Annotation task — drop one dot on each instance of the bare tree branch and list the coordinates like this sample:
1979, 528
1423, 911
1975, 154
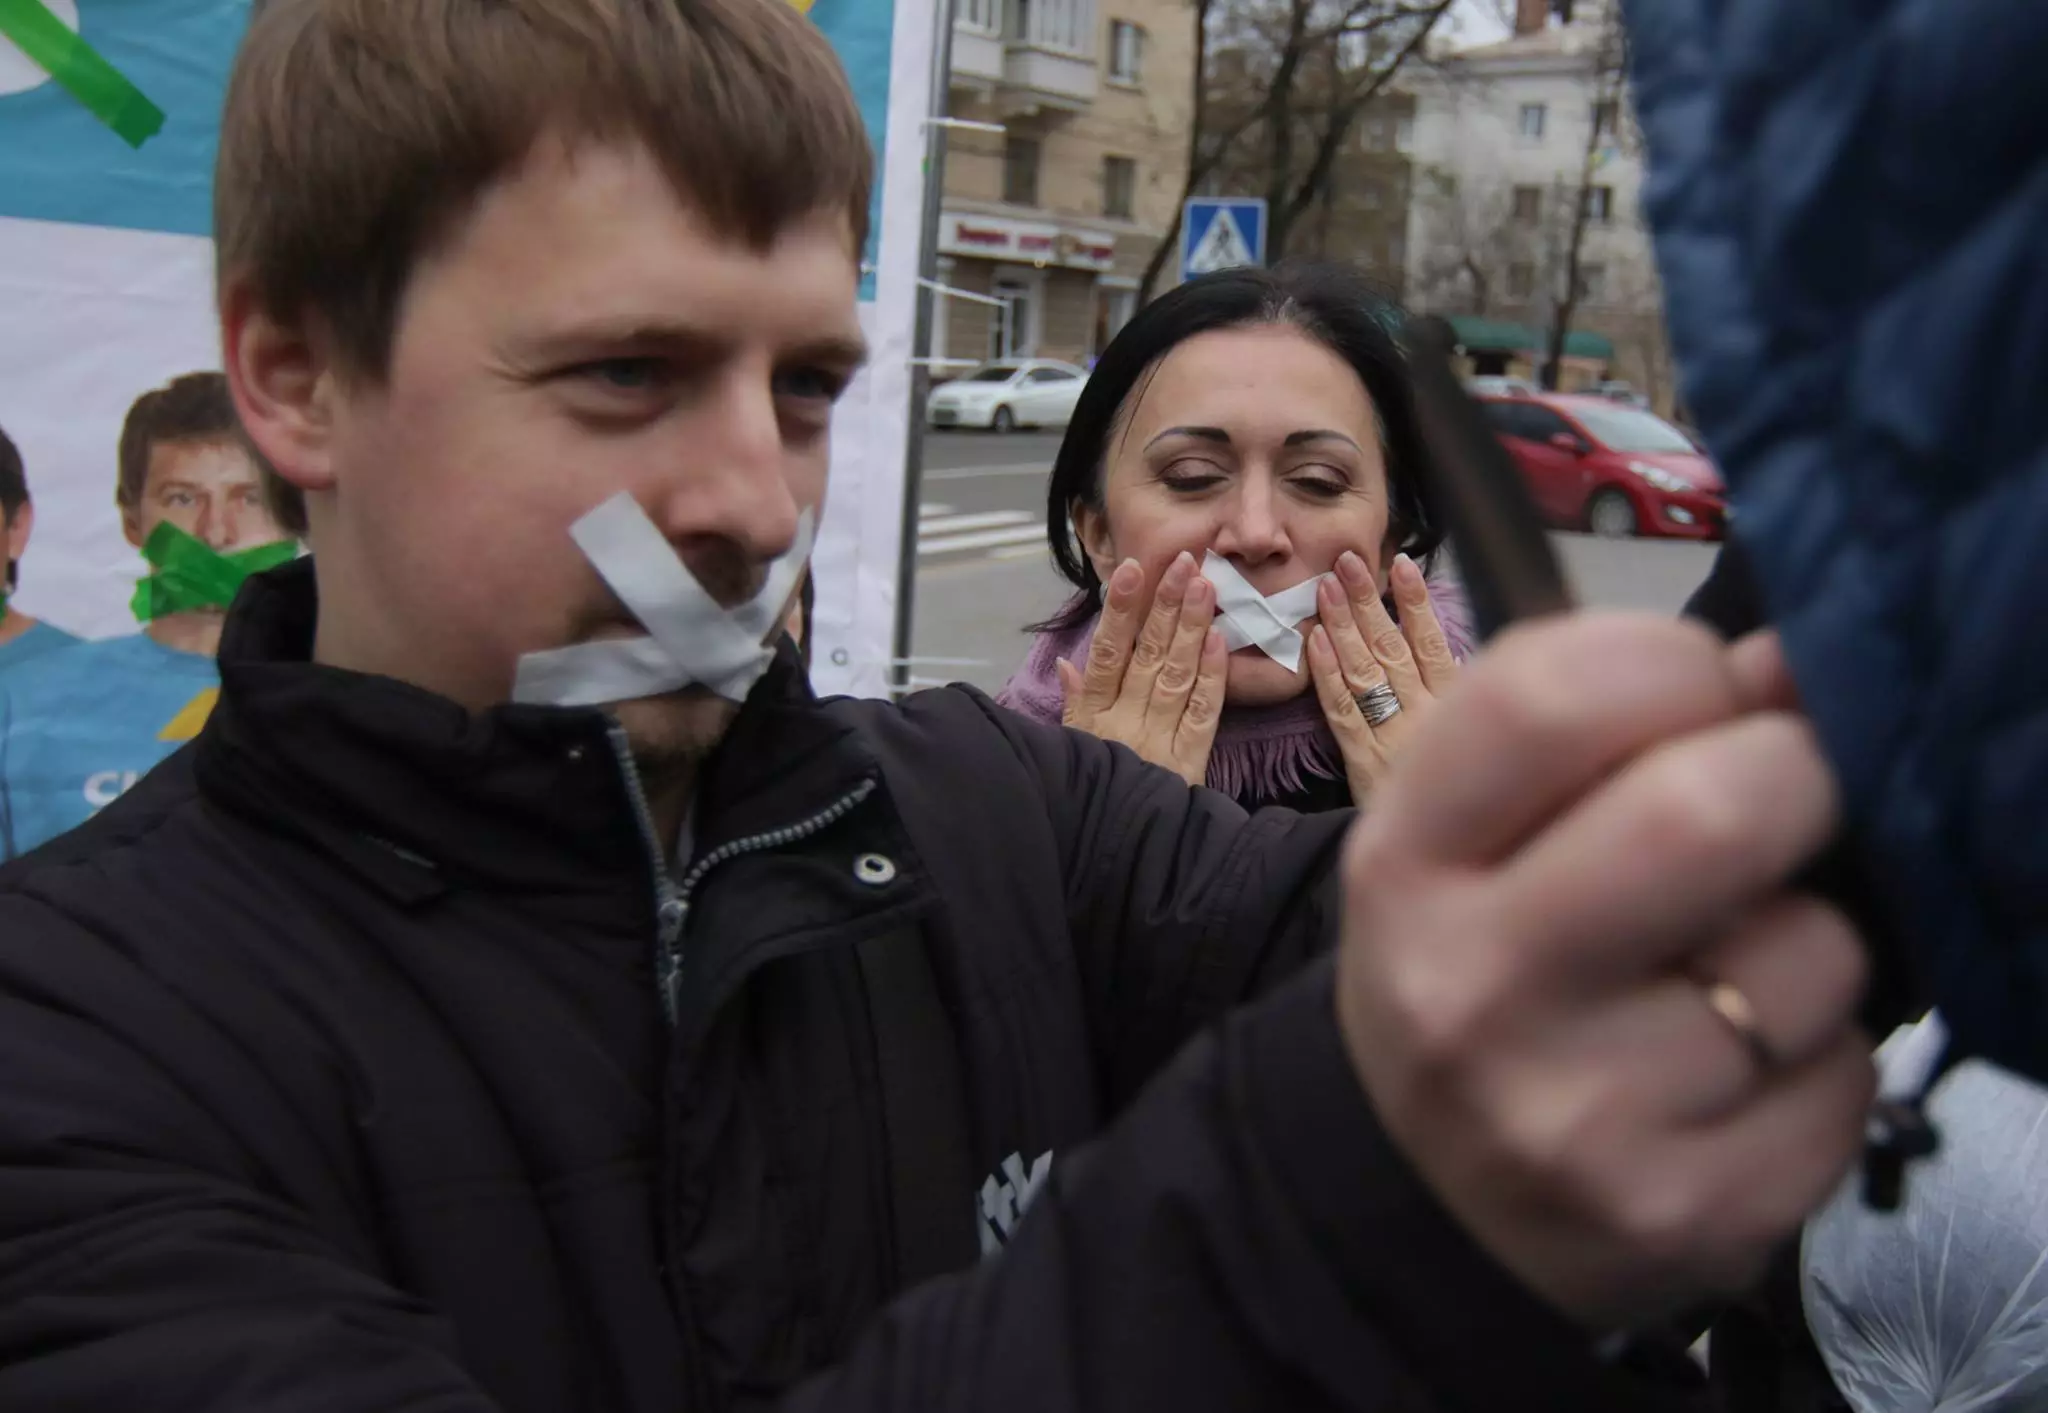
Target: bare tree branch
1607, 86
1339, 119
1282, 86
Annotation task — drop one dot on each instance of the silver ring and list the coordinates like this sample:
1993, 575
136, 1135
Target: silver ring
1378, 704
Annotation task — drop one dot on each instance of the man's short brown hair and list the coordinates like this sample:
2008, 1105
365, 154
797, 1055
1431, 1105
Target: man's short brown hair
358, 133
194, 407
13, 479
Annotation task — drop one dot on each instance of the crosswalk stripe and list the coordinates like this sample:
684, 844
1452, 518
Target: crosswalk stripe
931, 510
981, 539
982, 520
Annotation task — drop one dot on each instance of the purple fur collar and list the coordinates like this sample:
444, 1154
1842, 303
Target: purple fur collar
1261, 753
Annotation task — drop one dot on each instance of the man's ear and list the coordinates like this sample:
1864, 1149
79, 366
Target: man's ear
1091, 528
131, 524
282, 377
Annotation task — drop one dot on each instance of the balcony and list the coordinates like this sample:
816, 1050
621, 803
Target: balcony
1038, 53
978, 44
1052, 51
1049, 78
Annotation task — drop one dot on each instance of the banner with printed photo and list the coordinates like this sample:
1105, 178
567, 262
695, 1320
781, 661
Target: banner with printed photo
109, 118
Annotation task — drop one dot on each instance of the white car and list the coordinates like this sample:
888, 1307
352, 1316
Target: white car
1031, 392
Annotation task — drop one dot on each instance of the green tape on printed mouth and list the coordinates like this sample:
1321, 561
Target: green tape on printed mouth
81, 70
191, 574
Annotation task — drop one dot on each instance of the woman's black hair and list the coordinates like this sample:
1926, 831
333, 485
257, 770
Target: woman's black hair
1333, 305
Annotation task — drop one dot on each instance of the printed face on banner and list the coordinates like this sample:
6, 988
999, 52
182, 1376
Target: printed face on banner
585, 334
15, 539
208, 489
106, 276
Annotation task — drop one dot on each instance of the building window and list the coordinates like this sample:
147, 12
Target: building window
1065, 25
1534, 116
1012, 331
1390, 132
1521, 280
981, 16
1600, 204
1370, 196
1446, 185
1119, 187
1020, 171
1113, 310
1606, 117
1593, 283
1126, 51
1528, 204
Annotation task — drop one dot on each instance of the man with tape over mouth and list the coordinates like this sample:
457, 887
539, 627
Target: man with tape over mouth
532, 998
80, 727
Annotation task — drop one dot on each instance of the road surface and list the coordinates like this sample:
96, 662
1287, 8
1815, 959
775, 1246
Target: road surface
983, 570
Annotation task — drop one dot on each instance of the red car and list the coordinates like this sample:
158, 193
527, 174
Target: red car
1593, 463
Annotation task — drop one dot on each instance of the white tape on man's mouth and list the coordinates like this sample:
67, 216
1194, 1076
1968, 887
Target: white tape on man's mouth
691, 640
1250, 619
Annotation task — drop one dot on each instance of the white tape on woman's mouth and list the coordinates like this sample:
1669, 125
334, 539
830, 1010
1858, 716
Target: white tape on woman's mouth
691, 640
1250, 619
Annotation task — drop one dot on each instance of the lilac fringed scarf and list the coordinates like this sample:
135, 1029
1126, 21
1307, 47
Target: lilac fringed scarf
1261, 752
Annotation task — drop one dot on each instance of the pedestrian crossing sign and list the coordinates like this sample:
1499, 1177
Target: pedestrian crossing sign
1221, 233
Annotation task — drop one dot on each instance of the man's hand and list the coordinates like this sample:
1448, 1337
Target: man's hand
1595, 830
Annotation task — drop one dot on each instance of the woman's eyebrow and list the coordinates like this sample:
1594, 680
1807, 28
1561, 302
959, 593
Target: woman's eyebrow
1322, 434
1207, 434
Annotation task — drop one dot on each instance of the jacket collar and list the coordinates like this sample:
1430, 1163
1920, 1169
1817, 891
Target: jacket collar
418, 794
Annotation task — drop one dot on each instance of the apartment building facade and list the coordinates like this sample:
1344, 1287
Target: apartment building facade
1507, 137
1054, 217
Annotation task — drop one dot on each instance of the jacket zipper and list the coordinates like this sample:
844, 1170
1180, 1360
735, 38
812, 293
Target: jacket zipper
672, 956
669, 907
672, 899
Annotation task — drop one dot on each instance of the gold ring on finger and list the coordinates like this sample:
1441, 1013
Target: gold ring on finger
1378, 704
1737, 1012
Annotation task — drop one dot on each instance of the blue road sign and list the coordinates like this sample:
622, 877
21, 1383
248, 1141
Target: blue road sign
1221, 233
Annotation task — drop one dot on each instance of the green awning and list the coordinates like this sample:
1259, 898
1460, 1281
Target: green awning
1500, 336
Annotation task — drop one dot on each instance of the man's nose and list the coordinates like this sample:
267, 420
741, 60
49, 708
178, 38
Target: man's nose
724, 499
215, 526
1252, 529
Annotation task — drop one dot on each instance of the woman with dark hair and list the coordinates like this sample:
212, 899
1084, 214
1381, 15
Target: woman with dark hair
1241, 492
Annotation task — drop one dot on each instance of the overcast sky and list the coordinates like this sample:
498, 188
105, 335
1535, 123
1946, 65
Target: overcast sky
1477, 22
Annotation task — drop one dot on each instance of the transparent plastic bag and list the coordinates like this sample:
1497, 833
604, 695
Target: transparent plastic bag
1942, 1306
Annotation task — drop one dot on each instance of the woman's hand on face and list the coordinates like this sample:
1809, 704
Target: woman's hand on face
1357, 654
1155, 678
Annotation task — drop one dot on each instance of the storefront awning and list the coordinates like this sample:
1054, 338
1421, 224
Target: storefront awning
1501, 336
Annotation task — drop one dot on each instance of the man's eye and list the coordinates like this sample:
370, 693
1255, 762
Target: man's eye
624, 374
811, 384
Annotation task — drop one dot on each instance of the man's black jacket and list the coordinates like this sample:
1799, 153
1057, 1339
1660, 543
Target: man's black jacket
335, 1075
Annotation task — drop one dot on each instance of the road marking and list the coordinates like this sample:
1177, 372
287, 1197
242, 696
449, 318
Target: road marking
982, 520
981, 540
978, 473
932, 508
1030, 551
